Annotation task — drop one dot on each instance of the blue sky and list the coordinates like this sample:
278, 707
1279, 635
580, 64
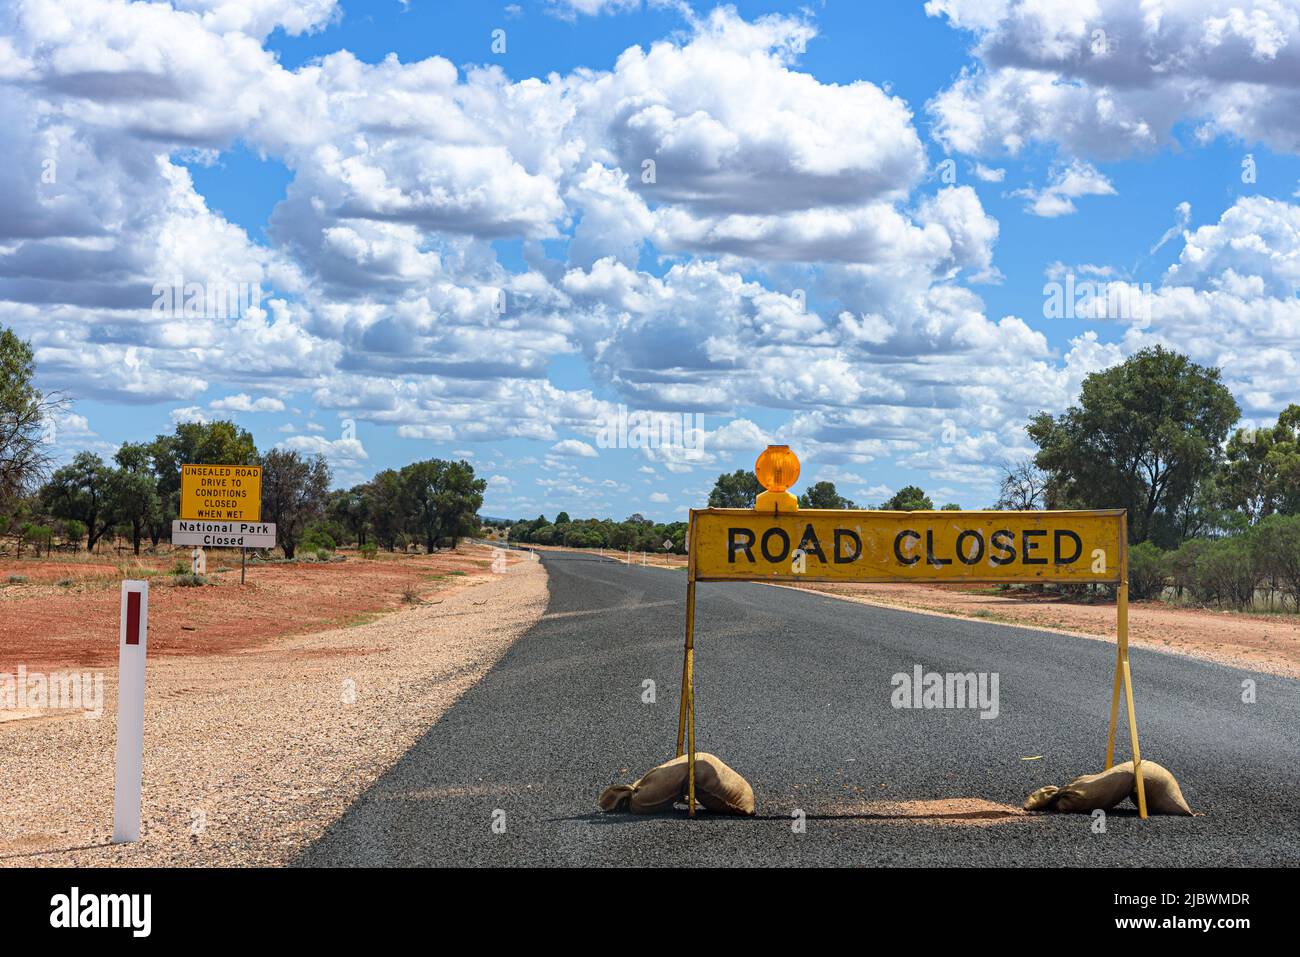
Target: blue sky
854, 213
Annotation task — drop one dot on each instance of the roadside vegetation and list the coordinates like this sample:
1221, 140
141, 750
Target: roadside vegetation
636, 533
91, 506
1214, 508
1214, 511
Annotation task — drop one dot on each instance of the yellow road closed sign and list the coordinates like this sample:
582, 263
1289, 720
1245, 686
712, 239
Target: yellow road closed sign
221, 493
776, 540
866, 546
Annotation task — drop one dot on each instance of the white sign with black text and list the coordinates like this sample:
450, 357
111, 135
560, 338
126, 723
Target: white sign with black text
223, 534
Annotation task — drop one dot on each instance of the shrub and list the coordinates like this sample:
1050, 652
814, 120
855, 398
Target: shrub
1277, 545
1180, 565
35, 535
1146, 571
317, 538
1227, 572
74, 532
190, 581
17, 579
369, 551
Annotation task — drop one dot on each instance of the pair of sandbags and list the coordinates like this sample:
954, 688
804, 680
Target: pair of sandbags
1090, 792
717, 787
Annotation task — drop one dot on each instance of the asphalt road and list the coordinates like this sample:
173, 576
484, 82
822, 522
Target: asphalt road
793, 690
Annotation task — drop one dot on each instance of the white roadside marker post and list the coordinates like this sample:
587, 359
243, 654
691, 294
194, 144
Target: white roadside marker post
133, 639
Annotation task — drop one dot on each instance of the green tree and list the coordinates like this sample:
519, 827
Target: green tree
294, 492
442, 499
24, 412
1203, 514
909, 498
1261, 472
737, 489
197, 443
420, 484
138, 458
135, 493
824, 495
82, 491
348, 508
1142, 436
459, 500
385, 507
135, 501
563, 519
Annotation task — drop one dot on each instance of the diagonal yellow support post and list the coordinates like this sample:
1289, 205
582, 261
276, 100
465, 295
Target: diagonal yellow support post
1124, 675
1114, 710
681, 707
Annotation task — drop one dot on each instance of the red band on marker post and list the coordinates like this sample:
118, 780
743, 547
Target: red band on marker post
133, 618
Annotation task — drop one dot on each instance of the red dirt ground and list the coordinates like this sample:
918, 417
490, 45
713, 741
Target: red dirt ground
1268, 642
45, 625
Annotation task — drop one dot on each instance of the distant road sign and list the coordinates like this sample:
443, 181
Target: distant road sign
849, 545
668, 544
221, 493
224, 534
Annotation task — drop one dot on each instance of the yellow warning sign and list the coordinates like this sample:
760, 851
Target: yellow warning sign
221, 493
867, 546
776, 540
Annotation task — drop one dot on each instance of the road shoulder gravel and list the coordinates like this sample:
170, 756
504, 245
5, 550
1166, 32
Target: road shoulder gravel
250, 756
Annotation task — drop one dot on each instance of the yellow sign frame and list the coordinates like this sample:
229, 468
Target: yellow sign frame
988, 546
929, 569
241, 493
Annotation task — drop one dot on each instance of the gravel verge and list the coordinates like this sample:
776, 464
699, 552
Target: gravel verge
250, 756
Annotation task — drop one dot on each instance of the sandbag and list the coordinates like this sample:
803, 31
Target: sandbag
1040, 800
717, 787
1163, 794
1090, 792
721, 789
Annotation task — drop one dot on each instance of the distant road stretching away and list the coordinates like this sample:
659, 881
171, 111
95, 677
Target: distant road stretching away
793, 691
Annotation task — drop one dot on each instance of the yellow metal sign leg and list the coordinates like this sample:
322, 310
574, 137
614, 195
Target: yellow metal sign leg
687, 713
1114, 710
1122, 642
1133, 737
690, 762
686, 664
